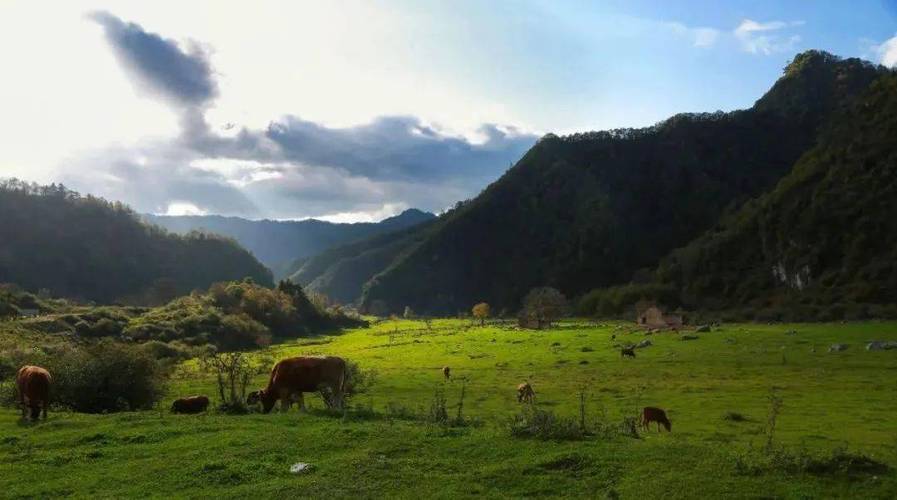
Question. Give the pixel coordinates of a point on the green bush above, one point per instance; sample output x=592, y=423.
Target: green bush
x=533, y=422
x=103, y=377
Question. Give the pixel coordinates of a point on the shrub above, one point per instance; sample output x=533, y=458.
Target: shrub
x=358, y=380
x=533, y=422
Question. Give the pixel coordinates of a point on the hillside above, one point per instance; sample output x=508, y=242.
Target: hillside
x=341, y=272
x=591, y=210
x=87, y=248
x=823, y=243
x=278, y=244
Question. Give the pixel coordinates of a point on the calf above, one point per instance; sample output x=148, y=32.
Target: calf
x=627, y=351
x=525, y=393
x=447, y=372
x=192, y=404
x=651, y=414
x=33, y=385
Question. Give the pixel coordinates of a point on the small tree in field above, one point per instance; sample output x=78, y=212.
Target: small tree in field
x=481, y=311
x=544, y=304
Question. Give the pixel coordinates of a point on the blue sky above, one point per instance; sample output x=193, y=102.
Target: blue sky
x=354, y=110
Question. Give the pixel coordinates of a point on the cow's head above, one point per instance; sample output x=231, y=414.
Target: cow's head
x=262, y=396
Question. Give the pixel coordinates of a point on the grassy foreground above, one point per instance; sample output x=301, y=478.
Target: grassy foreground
x=829, y=401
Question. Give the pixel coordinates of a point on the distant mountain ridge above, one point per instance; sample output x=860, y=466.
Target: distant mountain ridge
x=602, y=208
x=278, y=244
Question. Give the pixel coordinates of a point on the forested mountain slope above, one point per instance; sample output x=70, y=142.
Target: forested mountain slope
x=824, y=240
x=278, y=244
x=590, y=210
x=87, y=248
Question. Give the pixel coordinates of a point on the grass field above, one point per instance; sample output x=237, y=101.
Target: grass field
x=829, y=401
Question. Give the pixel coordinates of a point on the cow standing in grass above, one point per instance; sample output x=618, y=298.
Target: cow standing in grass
x=446, y=372
x=651, y=414
x=33, y=385
x=295, y=376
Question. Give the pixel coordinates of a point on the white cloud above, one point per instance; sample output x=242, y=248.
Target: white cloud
x=184, y=208
x=767, y=38
x=887, y=52
x=700, y=37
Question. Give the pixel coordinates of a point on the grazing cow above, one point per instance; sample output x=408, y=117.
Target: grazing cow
x=294, y=376
x=651, y=414
x=447, y=372
x=192, y=404
x=33, y=384
x=525, y=393
x=627, y=351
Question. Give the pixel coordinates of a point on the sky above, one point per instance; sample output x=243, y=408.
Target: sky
x=354, y=111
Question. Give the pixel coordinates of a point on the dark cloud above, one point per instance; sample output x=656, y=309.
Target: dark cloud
x=159, y=64
x=398, y=148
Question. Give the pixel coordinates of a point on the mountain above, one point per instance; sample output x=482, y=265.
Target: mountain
x=596, y=209
x=87, y=248
x=278, y=244
x=341, y=272
x=823, y=243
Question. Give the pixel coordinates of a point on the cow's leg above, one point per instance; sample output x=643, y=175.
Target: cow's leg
x=44, y=408
x=285, y=401
x=302, y=403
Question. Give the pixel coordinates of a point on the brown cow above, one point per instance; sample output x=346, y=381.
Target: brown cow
x=33, y=384
x=525, y=393
x=447, y=372
x=294, y=376
x=191, y=404
x=651, y=414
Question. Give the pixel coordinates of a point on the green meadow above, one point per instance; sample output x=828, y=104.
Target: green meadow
x=717, y=391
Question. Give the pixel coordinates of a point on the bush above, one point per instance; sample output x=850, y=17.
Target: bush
x=533, y=422
x=103, y=377
x=358, y=380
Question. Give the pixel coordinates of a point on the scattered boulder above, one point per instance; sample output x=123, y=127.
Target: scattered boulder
x=688, y=337
x=837, y=347
x=644, y=343
x=300, y=467
x=881, y=345
x=703, y=328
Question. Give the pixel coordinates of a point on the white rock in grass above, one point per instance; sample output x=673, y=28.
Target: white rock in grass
x=837, y=347
x=300, y=467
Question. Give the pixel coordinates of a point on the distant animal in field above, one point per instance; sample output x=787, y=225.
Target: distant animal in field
x=627, y=351
x=447, y=372
x=292, y=377
x=652, y=414
x=613, y=337
x=191, y=404
x=525, y=393
x=33, y=385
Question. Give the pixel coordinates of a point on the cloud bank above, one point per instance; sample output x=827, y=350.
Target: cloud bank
x=293, y=168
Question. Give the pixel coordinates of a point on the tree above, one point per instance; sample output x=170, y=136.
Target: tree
x=481, y=311
x=544, y=305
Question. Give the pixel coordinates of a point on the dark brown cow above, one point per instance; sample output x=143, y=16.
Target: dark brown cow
x=447, y=372
x=191, y=404
x=525, y=393
x=33, y=384
x=294, y=376
x=651, y=414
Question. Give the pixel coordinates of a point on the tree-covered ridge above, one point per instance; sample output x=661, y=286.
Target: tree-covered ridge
x=591, y=210
x=88, y=248
x=824, y=241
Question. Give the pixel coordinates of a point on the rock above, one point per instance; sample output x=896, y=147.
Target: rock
x=688, y=337
x=644, y=343
x=730, y=341
x=881, y=345
x=791, y=332
x=703, y=328
x=837, y=347
x=300, y=467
